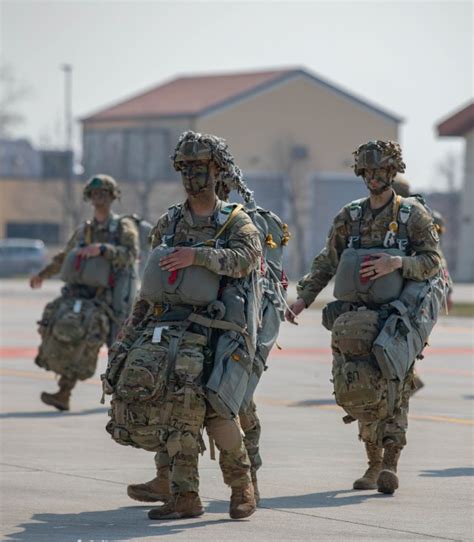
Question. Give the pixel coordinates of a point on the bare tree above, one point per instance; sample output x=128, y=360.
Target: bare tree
x=12, y=94
x=449, y=168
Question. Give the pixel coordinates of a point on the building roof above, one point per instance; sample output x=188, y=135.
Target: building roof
x=197, y=95
x=459, y=123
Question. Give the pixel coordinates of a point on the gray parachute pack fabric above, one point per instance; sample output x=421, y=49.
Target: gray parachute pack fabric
x=349, y=286
x=73, y=331
x=144, y=229
x=97, y=272
x=94, y=272
x=384, y=342
x=194, y=285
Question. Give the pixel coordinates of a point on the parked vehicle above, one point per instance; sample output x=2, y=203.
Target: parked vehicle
x=21, y=256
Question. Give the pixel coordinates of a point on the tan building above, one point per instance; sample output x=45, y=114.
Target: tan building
x=461, y=124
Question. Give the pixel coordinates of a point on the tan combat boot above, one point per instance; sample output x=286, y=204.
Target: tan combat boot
x=179, y=506
x=60, y=399
x=387, y=482
x=242, y=502
x=256, y=492
x=155, y=490
x=369, y=479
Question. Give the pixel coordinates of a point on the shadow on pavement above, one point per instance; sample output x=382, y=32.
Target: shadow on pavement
x=448, y=473
x=324, y=499
x=313, y=402
x=126, y=523
x=52, y=414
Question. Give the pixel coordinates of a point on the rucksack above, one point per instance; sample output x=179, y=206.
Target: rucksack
x=144, y=229
x=73, y=331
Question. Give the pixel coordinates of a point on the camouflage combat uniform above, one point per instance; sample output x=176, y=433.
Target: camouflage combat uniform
x=423, y=263
x=238, y=259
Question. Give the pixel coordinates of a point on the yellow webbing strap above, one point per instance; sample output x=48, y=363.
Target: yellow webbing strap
x=228, y=222
x=396, y=208
x=88, y=233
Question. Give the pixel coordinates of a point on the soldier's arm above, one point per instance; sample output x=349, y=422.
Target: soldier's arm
x=126, y=252
x=56, y=263
x=425, y=243
x=325, y=263
x=241, y=255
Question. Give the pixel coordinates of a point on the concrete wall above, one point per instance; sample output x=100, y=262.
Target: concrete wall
x=465, y=264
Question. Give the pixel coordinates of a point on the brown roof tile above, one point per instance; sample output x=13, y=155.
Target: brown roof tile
x=459, y=123
x=187, y=95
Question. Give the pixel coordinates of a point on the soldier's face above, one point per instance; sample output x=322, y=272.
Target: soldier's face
x=100, y=197
x=377, y=180
x=196, y=176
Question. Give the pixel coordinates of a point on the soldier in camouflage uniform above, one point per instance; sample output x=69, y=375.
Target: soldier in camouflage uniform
x=377, y=162
x=202, y=160
x=101, y=191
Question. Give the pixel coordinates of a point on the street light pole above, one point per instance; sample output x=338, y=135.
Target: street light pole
x=69, y=199
x=67, y=69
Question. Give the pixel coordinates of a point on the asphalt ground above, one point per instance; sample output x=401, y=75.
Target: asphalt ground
x=64, y=479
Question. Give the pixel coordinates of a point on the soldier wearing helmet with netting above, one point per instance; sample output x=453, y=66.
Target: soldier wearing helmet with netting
x=380, y=249
x=203, y=251
x=107, y=246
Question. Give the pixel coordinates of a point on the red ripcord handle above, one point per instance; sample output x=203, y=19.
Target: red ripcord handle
x=364, y=280
x=173, y=276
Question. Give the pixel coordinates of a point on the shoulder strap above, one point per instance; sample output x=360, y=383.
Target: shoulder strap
x=174, y=214
x=85, y=234
x=355, y=212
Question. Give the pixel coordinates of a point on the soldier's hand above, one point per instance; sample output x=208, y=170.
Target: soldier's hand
x=89, y=251
x=36, y=281
x=180, y=258
x=293, y=310
x=379, y=265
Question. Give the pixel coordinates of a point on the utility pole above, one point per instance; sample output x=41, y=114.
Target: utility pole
x=69, y=196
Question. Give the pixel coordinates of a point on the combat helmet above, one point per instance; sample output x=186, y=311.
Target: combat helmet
x=101, y=181
x=378, y=155
x=194, y=146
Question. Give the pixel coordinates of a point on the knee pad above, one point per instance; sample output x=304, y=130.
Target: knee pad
x=227, y=434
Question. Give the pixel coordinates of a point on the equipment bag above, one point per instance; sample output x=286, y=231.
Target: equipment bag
x=407, y=329
x=158, y=399
x=73, y=331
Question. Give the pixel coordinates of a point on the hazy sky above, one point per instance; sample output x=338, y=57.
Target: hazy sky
x=412, y=58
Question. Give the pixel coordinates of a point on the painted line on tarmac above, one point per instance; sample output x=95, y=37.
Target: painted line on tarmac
x=284, y=402
x=263, y=400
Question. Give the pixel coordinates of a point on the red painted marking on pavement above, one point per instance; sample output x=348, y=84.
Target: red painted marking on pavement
x=22, y=352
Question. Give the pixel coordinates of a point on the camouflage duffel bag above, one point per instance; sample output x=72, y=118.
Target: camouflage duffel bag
x=72, y=331
x=157, y=397
x=359, y=386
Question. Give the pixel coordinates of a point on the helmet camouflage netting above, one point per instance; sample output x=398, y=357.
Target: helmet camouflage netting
x=378, y=155
x=195, y=146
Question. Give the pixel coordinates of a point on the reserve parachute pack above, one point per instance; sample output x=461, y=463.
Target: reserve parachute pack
x=377, y=336
x=98, y=272
x=73, y=331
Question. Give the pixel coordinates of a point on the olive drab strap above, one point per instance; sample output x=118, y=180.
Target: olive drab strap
x=355, y=211
x=403, y=216
x=228, y=221
x=174, y=214
x=85, y=237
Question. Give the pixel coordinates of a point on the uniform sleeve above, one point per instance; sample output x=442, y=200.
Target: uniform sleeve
x=241, y=255
x=325, y=263
x=55, y=266
x=156, y=235
x=126, y=252
x=424, y=240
